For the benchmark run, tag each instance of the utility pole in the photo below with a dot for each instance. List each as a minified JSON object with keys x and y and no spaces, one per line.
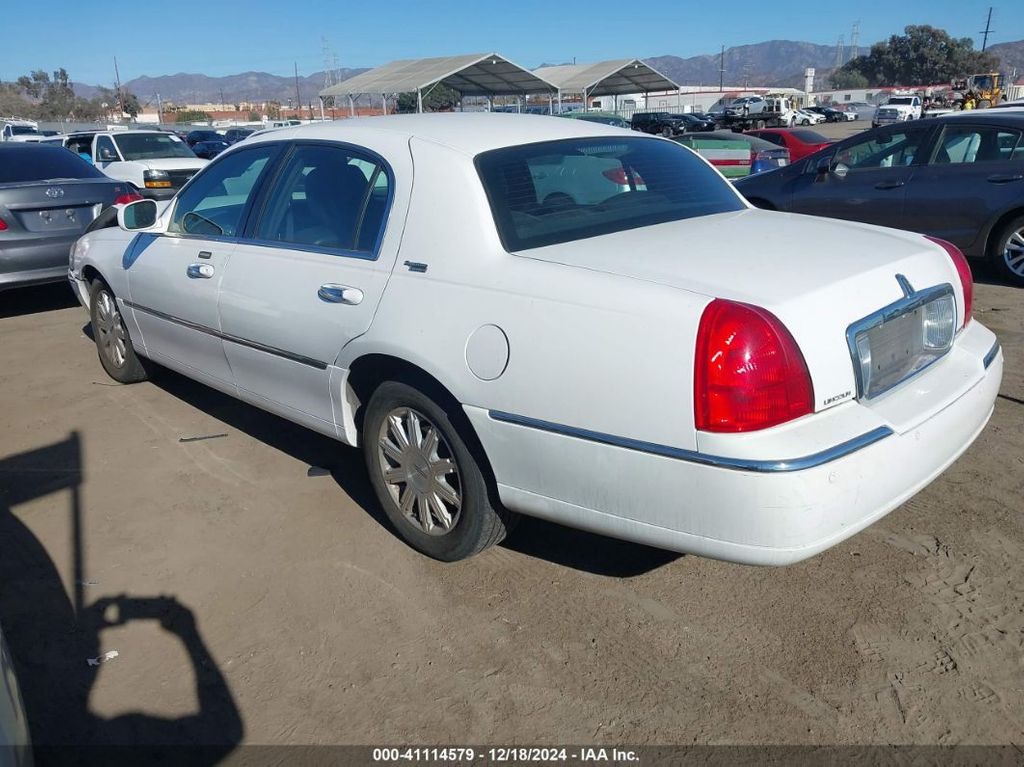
{"x":298,"y":98}
{"x":721,"y":71}
{"x":159,"y":111}
{"x":120,"y":98}
{"x":987,"y":30}
{"x":854,"y":39}
{"x":222,"y":98}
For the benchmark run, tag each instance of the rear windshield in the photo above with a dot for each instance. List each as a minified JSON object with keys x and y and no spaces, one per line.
{"x":809,"y":136}
{"x":42,"y":163}
{"x":151,"y":146}
{"x":560,"y":191}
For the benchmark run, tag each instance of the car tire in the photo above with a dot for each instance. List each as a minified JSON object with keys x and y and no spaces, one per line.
{"x":666,"y":132}
{"x":1007,"y":256}
{"x":438,"y":493}
{"x":113,"y":344}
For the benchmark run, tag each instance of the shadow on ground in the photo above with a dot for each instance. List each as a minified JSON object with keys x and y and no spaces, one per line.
{"x":52,"y":635}
{"x":18,"y":302}
{"x":534,"y":537}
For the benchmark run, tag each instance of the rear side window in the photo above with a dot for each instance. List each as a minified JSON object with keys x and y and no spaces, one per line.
{"x":327,"y":197}
{"x":560,"y":191}
{"x":969,"y":144}
{"x":42,"y":163}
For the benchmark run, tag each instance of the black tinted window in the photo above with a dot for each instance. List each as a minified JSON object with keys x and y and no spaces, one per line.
{"x":41,"y":163}
{"x":559,"y":191}
{"x":327,"y":197}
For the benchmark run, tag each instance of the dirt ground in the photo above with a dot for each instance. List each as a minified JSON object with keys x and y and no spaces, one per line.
{"x":251,"y":602}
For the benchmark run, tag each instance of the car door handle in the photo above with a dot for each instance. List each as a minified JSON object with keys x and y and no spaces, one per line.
{"x":200,"y":271}
{"x":889,"y":184}
{"x":1004,"y":178}
{"x":339,"y":294}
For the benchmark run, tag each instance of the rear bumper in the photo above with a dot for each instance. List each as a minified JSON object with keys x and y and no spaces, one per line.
{"x":756,"y":511}
{"x":35,"y":262}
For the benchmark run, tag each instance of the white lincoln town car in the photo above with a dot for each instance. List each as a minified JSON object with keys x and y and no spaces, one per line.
{"x":513,"y":314}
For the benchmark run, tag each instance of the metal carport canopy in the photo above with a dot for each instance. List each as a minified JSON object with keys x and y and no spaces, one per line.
{"x":475,"y":74}
{"x":607,"y":78}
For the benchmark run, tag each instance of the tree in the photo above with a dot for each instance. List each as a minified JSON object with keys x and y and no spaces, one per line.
{"x":923,"y":55}
{"x":440,"y":98}
{"x":130,"y":104}
{"x":191,"y":116}
{"x":845,"y":80}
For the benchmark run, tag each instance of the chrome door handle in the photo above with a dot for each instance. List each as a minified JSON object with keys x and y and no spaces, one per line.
{"x":200,"y":271}
{"x":339,"y":294}
{"x":889,"y":184}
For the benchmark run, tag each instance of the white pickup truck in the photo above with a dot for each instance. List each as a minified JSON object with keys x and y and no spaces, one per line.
{"x":898,"y":109}
{"x":157,"y":163}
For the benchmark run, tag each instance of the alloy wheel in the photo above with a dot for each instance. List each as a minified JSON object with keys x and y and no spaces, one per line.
{"x":420,"y":471}
{"x":1013,"y":253}
{"x":112,"y":338}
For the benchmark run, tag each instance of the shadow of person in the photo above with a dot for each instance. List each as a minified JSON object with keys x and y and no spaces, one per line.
{"x":51,"y":636}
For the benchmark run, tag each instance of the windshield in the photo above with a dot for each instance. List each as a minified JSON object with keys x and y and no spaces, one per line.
{"x":42,"y":162}
{"x":902,"y":100}
{"x":23,"y":130}
{"x":560,"y":191}
{"x":151,"y":146}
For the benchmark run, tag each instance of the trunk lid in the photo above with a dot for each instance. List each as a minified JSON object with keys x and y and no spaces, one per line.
{"x":58,"y":206}
{"x":818,"y":276}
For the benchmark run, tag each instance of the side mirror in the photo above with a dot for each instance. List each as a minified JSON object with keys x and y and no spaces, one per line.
{"x":137,"y":215}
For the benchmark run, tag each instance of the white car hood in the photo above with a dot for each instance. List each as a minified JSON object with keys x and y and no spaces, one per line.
{"x":757,"y":257}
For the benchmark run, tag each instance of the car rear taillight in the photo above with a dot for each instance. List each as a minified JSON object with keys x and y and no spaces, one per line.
{"x":3,"y":225}
{"x":749,"y":373}
{"x":619,"y":176}
{"x":963,"y":270}
{"x":124,"y":199}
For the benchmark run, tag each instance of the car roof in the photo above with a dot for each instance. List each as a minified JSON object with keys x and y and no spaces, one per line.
{"x":31,"y":146}
{"x":468,"y":132}
{"x":1010,"y":116}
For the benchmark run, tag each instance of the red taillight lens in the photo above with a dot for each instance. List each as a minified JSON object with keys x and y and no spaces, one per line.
{"x":963,"y":270}
{"x":618,"y":175}
{"x":124,"y":199}
{"x":3,"y":225}
{"x":749,"y":373}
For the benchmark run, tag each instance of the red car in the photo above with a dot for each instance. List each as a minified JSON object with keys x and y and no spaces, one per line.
{"x":799,"y":141}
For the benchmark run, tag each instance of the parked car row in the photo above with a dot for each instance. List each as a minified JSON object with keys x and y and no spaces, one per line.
{"x":959,"y":177}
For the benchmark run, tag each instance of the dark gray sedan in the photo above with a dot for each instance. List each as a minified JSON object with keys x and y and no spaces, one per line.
{"x":48,"y":196}
{"x":959,"y":178}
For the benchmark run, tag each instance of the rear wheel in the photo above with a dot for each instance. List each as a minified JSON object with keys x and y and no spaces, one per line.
{"x":1008,"y":254}
{"x":114,"y":346}
{"x":666,"y":132}
{"x":429,"y":480}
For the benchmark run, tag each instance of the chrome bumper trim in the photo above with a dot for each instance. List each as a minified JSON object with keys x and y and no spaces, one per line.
{"x":692,"y":456}
{"x":991,"y":356}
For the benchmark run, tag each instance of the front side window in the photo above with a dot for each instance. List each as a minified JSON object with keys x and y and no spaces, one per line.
{"x":152,"y":146}
{"x":969,"y":144}
{"x":327,"y":197}
{"x":213,"y":203}
{"x":105,"y":151}
{"x":560,"y":191}
{"x":889,"y":149}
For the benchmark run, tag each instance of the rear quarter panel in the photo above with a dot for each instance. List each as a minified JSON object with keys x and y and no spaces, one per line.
{"x":586,"y":349}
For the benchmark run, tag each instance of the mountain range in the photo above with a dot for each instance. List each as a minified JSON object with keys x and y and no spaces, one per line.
{"x":775,"y":62}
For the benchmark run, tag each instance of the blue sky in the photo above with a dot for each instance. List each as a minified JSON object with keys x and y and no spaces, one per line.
{"x":155,"y":38}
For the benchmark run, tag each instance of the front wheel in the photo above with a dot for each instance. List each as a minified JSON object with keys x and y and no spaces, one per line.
{"x":427,"y":477}
{"x":113,"y":344}
{"x":1008,"y":255}
{"x":666,"y":132}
